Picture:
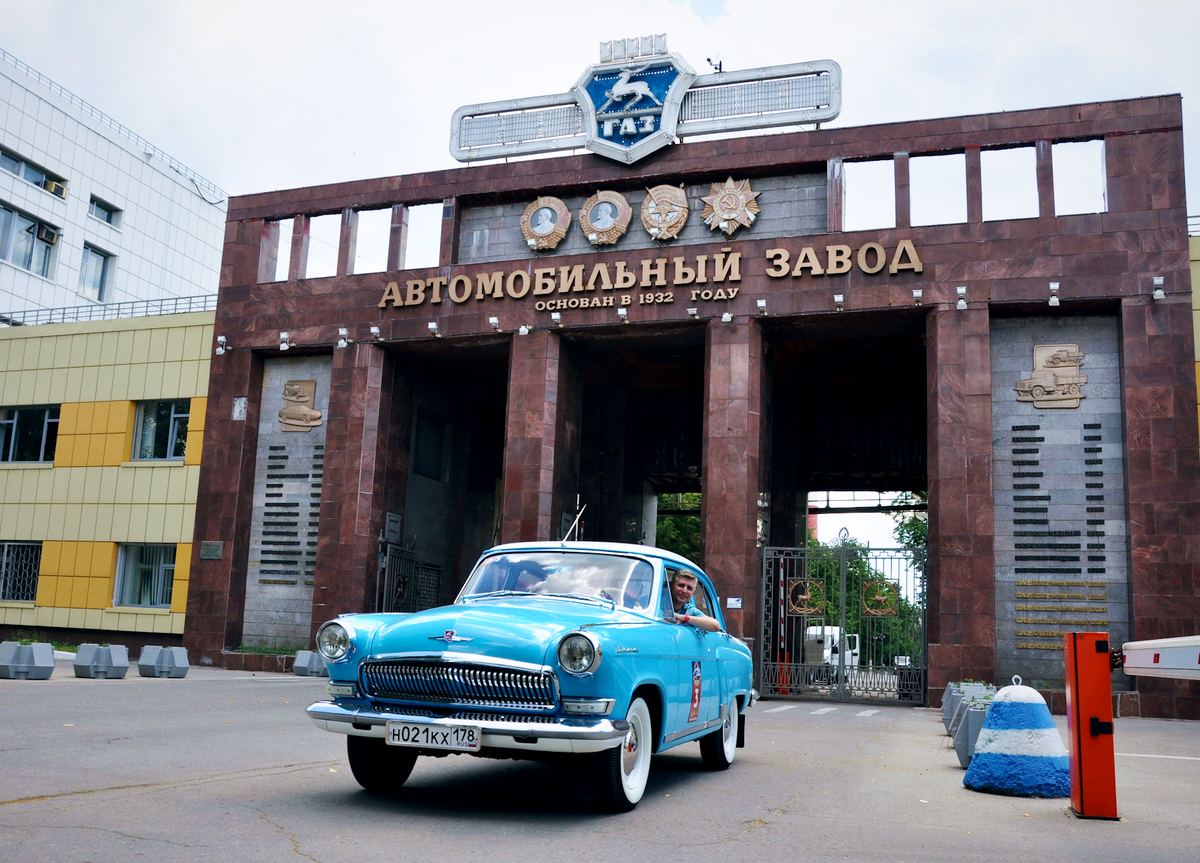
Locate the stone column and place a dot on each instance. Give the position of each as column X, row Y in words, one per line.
column 960, row 586
column 360, row 424
column 541, row 454
column 732, row 466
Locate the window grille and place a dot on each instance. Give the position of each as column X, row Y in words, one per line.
column 19, row 564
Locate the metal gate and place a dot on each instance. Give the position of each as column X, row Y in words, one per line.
column 843, row 623
column 408, row 585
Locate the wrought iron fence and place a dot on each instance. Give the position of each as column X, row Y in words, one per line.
column 19, row 564
column 843, row 623
column 408, row 585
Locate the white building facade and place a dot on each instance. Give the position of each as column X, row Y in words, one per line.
column 91, row 213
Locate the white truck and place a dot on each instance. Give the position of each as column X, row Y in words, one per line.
column 824, row 647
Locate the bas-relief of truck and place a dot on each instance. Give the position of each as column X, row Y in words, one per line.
column 1055, row 377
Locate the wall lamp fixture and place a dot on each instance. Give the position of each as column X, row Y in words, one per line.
column 1054, row 293
column 523, row 330
column 1159, row 293
column 495, row 324
column 285, row 341
column 838, row 301
column 623, row 314
column 557, row 318
column 220, row 346
column 962, row 297
column 375, row 333
column 917, row 294
column 343, row 337
column 694, row 313
column 433, row 329
column 726, row 318
column 762, row 306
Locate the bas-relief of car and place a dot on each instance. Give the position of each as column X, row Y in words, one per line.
column 551, row 650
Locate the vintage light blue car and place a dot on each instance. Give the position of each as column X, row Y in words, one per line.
column 552, row 650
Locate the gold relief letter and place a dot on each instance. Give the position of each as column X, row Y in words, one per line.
column 684, row 275
column 571, row 279
column 463, row 283
column 656, row 268
column 544, row 283
column 727, row 264
column 392, row 295
column 912, row 259
column 839, row 260
column 435, row 288
column 779, row 263
column 416, row 293
column 490, row 284
column 625, row 278
column 701, row 268
column 599, row 271
column 510, row 286
column 808, row 260
column 880, row 258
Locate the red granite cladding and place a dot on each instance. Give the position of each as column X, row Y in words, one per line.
column 961, row 589
column 731, row 466
column 753, row 155
column 1163, row 472
column 533, row 464
column 224, row 509
column 352, row 485
column 277, row 663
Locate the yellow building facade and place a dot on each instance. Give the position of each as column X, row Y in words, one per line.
column 102, row 424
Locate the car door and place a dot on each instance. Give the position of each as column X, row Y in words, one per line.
column 696, row 700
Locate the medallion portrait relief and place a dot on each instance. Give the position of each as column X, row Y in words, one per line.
column 605, row 217
column 545, row 223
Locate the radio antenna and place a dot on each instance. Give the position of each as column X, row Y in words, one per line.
column 574, row 525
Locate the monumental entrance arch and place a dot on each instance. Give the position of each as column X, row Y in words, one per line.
column 599, row 332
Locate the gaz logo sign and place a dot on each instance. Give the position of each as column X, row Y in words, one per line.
column 631, row 108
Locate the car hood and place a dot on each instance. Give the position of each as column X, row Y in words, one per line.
column 515, row 628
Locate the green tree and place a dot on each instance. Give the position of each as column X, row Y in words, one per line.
column 679, row 533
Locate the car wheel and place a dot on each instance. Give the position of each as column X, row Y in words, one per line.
column 622, row 771
column 717, row 749
column 377, row 767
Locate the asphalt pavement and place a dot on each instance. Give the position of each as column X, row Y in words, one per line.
column 225, row 766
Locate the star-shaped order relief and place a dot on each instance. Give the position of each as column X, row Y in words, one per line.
column 730, row 206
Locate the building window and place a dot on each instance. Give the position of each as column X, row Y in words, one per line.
column 161, row 429
column 29, row 434
column 146, row 575
column 26, row 242
column 427, row 448
column 94, row 273
column 19, row 565
column 104, row 212
column 14, row 164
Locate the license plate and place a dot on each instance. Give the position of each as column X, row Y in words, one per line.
column 462, row 738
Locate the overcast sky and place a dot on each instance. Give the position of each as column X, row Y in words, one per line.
column 259, row 95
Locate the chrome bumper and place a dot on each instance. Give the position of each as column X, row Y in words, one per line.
column 582, row 734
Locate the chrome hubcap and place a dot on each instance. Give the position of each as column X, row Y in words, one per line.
column 629, row 750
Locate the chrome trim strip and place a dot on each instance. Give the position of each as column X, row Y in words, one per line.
column 583, row 728
column 720, row 720
column 465, row 658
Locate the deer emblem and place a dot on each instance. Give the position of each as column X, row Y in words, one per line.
column 623, row 88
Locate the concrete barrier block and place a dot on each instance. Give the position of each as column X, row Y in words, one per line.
column 148, row 661
column 309, row 663
column 101, row 663
column 26, row 661
column 178, row 661
column 972, row 716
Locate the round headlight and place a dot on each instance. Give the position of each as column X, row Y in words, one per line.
column 333, row 641
column 579, row 653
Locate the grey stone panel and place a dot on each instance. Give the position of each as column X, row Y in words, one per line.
column 1081, row 578
column 287, row 496
column 793, row 205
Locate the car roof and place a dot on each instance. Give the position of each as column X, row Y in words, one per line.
column 613, row 547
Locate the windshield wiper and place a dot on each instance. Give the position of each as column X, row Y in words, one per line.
column 496, row 593
column 584, row 596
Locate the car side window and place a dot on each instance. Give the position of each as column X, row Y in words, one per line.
column 702, row 599
column 667, row 603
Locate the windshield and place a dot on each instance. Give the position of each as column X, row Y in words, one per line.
column 626, row 581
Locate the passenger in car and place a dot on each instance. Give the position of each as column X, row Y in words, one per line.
column 683, row 591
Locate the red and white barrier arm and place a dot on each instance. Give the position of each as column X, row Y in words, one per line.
column 1164, row 657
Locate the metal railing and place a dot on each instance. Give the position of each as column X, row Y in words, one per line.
column 112, row 311
column 1193, row 226
column 109, row 122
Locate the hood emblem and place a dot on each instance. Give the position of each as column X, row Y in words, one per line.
column 448, row 636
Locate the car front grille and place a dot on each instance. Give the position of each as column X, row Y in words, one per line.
column 459, row 684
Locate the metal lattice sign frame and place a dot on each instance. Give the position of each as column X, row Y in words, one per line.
column 656, row 97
